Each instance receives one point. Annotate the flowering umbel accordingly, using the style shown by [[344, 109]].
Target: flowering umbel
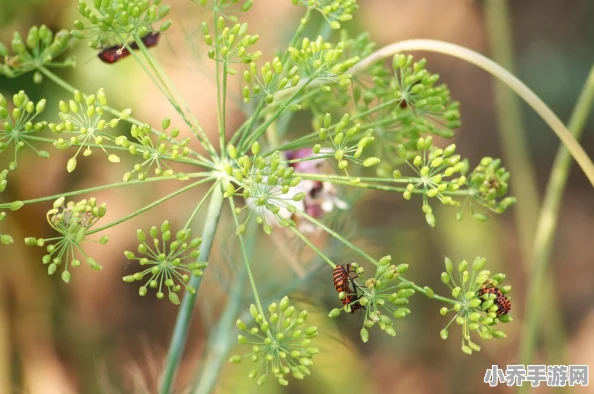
[[475, 310], [39, 49], [74, 222], [267, 185], [114, 22], [170, 263], [18, 125], [381, 296], [82, 118], [281, 344]]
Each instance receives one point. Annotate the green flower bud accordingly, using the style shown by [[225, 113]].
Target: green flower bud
[[364, 335]]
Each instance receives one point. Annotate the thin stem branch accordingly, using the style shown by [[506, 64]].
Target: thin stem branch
[[149, 206], [182, 323], [104, 187], [167, 86], [547, 222], [513, 137], [246, 260]]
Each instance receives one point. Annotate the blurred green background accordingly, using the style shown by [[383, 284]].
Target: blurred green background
[[96, 335]]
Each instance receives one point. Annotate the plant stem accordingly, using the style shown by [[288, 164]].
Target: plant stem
[[513, 137], [167, 87], [260, 130], [497, 71], [220, 344], [149, 206], [339, 237], [182, 323], [510, 126], [246, 260], [314, 248], [104, 187], [547, 222]]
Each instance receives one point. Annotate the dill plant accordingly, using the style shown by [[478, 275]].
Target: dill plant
[[379, 121]]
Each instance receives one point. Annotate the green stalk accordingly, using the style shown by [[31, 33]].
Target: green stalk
[[513, 137], [547, 224], [297, 35], [221, 342], [103, 187], [149, 206], [165, 88], [260, 130], [182, 323], [246, 260], [510, 126]]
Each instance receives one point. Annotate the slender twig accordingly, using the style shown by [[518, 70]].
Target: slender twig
[[513, 137], [547, 223], [182, 323]]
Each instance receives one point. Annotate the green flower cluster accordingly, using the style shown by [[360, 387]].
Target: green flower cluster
[[273, 77], [488, 182], [320, 60], [154, 154], [345, 141], [40, 49], [171, 263], [281, 344], [432, 166], [230, 44], [19, 124], [83, 118], [421, 106], [114, 22], [334, 11], [381, 297], [472, 311], [267, 185], [73, 221]]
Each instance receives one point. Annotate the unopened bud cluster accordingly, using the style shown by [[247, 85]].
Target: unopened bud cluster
[[40, 48], [489, 183], [346, 141], [231, 44], [281, 344], [423, 107], [473, 313], [334, 11], [82, 117], [266, 184], [435, 169], [319, 59], [171, 260], [154, 154], [17, 124], [381, 297], [72, 221], [113, 22], [273, 77]]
